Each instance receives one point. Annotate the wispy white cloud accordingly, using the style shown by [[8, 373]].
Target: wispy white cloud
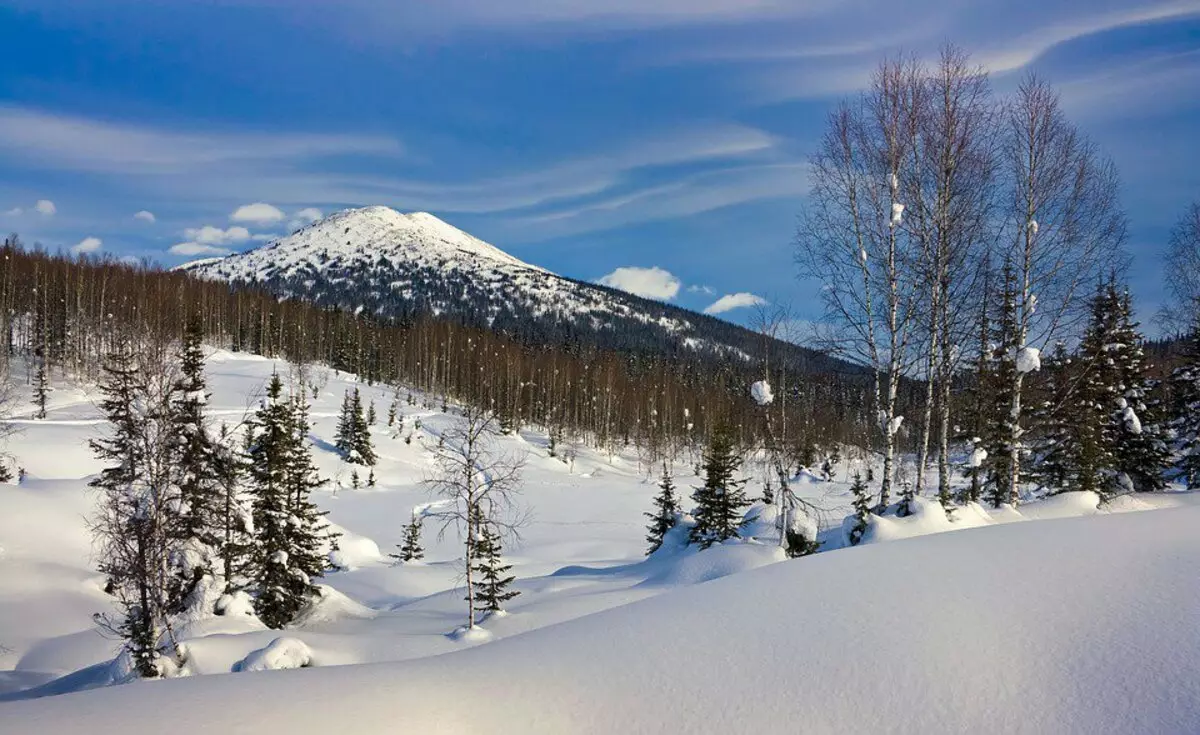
[[258, 213], [708, 290], [14, 212], [65, 142], [209, 235], [87, 245], [145, 216], [732, 301], [197, 248], [650, 283], [45, 207]]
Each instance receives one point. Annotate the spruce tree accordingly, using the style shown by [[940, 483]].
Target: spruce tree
[[202, 472], [1053, 447], [1141, 452], [371, 414], [343, 437], [392, 409], [666, 510], [287, 527], [491, 580], [1185, 411], [361, 450], [998, 433], [410, 546], [720, 501], [862, 509], [137, 523], [1092, 436]]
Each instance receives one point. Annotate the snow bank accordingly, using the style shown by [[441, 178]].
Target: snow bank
[[993, 645], [281, 653], [926, 517], [354, 551], [715, 562]]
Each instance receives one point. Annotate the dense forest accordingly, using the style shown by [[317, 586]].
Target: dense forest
[[66, 313]]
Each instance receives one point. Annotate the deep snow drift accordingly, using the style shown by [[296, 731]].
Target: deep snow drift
[[1084, 625], [791, 644]]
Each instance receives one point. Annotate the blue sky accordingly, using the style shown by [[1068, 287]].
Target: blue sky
[[581, 135]]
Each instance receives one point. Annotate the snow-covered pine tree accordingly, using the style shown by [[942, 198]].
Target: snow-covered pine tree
[[1141, 451], [410, 545], [1185, 411], [362, 451], [286, 527], [137, 521], [862, 509], [666, 509], [392, 410], [200, 464], [371, 414], [492, 579], [235, 524], [312, 532], [1053, 447], [343, 437], [998, 433], [768, 496], [1097, 394], [720, 501]]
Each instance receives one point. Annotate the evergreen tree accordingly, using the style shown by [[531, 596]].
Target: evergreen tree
[[202, 472], [768, 496], [666, 510], [998, 432], [720, 501], [862, 509], [410, 546], [1141, 452], [1185, 411], [287, 527], [343, 437], [491, 580], [1053, 448], [392, 409], [371, 414], [137, 523], [1092, 434], [361, 451]]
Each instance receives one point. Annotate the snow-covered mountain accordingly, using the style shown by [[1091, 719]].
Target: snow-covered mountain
[[380, 261]]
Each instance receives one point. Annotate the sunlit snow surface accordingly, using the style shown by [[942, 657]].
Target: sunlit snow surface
[[1082, 625]]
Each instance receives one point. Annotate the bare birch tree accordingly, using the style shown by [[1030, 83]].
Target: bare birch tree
[[951, 188], [852, 240], [1066, 226], [1183, 272], [479, 484]]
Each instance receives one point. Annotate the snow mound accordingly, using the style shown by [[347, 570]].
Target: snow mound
[[331, 606], [1027, 627], [472, 634], [281, 653], [354, 552], [715, 562], [925, 517]]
